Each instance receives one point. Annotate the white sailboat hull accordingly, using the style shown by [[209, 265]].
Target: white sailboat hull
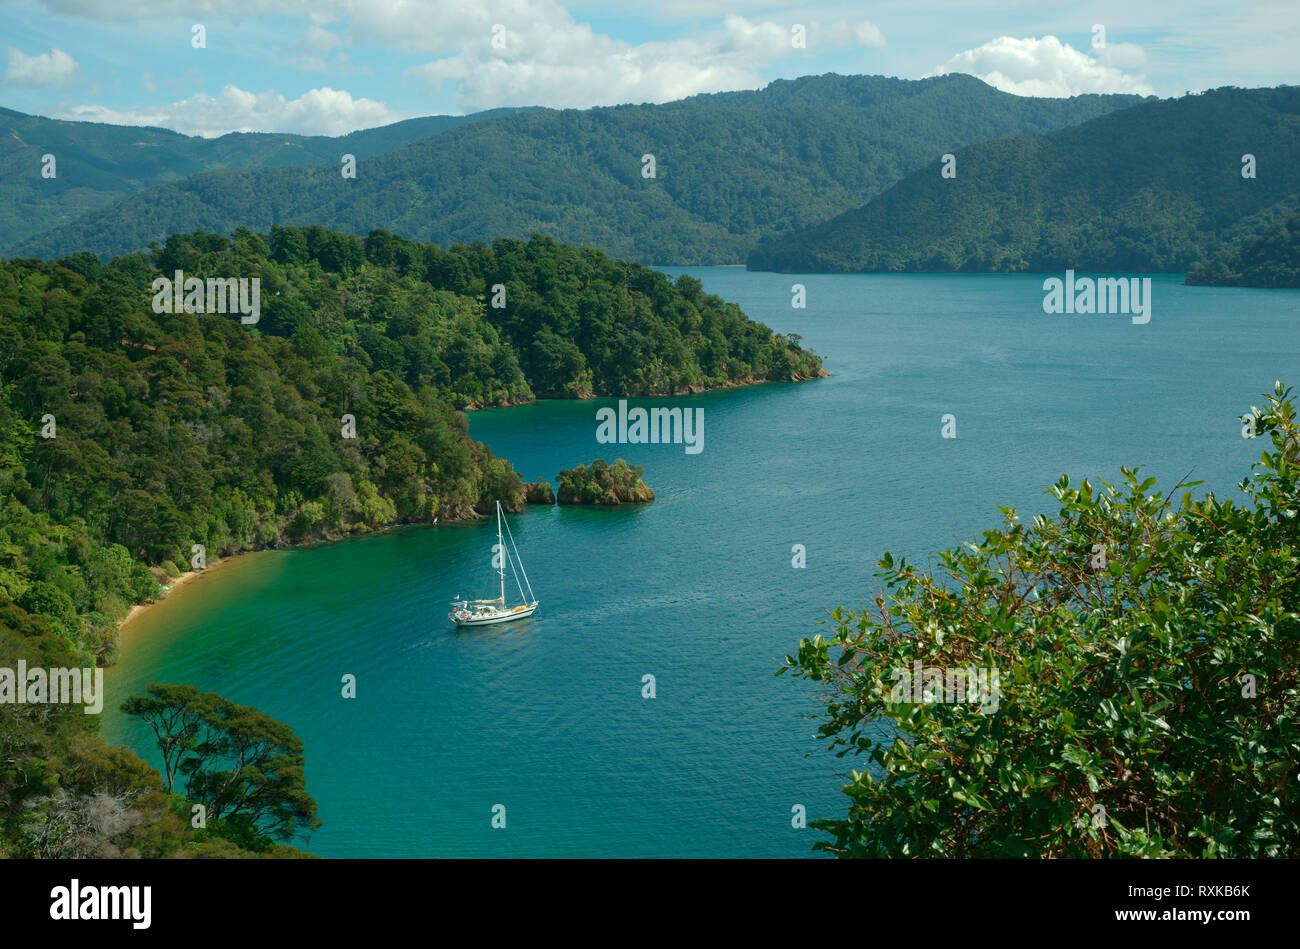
[[490, 612], [497, 616]]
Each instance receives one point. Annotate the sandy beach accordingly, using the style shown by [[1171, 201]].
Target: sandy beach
[[182, 579]]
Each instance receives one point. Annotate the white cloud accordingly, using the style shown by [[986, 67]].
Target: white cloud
[[869, 34], [137, 10], [1122, 55], [551, 60], [761, 39], [319, 40], [51, 70], [310, 51], [321, 111], [1048, 67]]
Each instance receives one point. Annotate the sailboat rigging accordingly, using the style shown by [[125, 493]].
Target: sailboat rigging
[[487, 612]]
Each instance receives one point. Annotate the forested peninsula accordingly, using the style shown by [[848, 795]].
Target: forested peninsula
[[129, 436]]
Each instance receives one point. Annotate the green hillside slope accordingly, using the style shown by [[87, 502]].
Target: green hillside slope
[[97, 165], [1151, 188], [730, 168]]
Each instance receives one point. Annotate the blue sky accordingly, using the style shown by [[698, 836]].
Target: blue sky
[[332, 66]]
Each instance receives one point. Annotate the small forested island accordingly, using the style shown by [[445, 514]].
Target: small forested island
[[1270, 260], [601, 484], [538, 492]]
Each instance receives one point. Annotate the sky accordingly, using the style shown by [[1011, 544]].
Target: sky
[[328, 67]]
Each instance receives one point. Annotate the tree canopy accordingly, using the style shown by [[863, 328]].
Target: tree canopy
[[1270, 259], [243, 766], [1147, 650], [730, 168], [127, 437], [1152, 188], [97, 164], [64, 793], [602, 483]]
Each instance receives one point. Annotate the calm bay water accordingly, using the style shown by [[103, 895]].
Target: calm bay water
[[697, 589]]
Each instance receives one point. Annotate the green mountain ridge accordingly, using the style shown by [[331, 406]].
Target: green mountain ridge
[[1153, 188], [730, 168], [98, 164]]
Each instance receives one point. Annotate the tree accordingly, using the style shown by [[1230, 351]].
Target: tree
[[244, 766], [174, 714], [1145, 702]]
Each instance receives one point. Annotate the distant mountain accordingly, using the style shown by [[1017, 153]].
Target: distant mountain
[[1271, 259], [729, 168], [97, 165], [1151, 188]]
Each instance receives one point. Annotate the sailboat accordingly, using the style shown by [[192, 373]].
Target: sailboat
[[487, 612]]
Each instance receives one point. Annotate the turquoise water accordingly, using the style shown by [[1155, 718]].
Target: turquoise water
[[697, 589]]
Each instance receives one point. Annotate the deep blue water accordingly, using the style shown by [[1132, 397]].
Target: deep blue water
[[697, 589]]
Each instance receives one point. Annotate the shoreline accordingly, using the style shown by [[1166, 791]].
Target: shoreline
[[188, 576], [185, 578], [725, 386], [181, 580]]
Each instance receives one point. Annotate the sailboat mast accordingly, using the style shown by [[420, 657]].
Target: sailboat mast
[[501, 547]]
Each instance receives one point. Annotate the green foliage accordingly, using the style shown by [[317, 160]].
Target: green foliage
[[176, 429], [27, 731], [182, 429], [539, 492], [1152, 188], [245, 767], [101, 164], [1271, 259], [1148, 653], [65, 793], [731, 168], [619, 483]]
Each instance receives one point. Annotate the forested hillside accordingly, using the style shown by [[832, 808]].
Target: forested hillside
[[96, 164], [127, 436], [729, 168], [1270, 259], [1153, 188], [65, 793]]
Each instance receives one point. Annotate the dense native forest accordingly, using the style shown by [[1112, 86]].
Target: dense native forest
[[1271, 259], [64, 792], [96, 165], [601, 483], [170, 430], [1153, 188], [729, 168]]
